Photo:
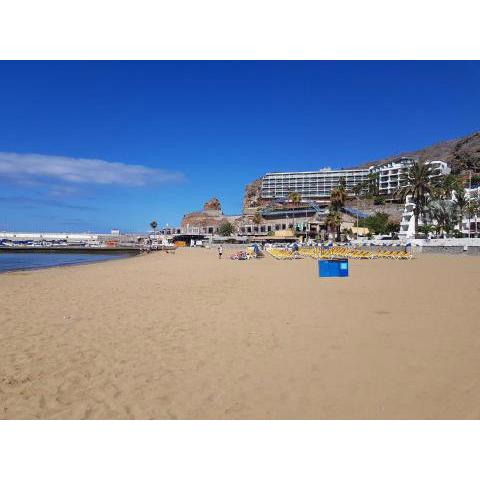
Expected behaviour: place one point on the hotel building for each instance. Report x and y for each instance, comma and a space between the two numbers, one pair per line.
319, 184
310, 185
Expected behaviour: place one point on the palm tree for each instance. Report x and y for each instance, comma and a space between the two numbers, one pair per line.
295, 197
419, 187
333, 222
426, 229
445, 185
461, 200
357, 191
472, 210
153, 226
446, 213
338, 196
371, 184
226, 229
257, 218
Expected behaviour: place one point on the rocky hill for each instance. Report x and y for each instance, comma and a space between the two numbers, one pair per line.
251, 197
210, 216
460, 153
212, 204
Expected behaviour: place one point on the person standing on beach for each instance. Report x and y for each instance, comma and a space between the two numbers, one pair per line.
220, 251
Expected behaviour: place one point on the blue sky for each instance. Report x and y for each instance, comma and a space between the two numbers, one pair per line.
96, 145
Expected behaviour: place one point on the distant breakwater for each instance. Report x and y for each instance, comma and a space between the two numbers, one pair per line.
86, 250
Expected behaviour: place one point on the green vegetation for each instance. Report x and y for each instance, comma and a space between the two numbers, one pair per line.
461, 201
473, 206
333, 222
473, 209
445, 185
368, 189
373, 184
447, 205
226, 229
475, 180
153, 226
295, 197
338, 196
447, 214
426, 228
393, 228
357, 190
379, 224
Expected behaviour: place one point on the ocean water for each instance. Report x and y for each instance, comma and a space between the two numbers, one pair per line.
27, 261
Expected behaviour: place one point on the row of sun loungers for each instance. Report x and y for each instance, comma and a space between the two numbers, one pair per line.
282, 254
337, 252
354, 253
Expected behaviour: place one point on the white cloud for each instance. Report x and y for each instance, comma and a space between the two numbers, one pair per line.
31, 167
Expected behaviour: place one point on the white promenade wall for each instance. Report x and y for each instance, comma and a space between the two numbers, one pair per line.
48, 236
434, 242
437, 245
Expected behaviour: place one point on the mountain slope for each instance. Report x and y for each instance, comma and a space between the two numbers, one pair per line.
460, 153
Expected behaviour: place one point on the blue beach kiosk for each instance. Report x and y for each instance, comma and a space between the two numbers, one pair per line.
335, 267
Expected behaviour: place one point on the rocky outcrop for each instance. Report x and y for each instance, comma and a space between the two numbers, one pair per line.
252, 194
252, 198
365, 205
199, 219
212, 204
210, 216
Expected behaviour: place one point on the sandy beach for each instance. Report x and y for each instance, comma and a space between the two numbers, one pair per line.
187, 336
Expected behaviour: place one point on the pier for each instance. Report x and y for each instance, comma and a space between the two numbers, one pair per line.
71, 249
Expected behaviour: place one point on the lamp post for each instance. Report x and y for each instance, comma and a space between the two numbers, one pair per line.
469, 195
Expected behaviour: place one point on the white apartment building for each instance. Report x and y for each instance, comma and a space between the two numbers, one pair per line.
471, 226
468, 226
393, 175
310, 185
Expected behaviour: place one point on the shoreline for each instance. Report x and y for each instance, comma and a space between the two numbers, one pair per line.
115, 257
